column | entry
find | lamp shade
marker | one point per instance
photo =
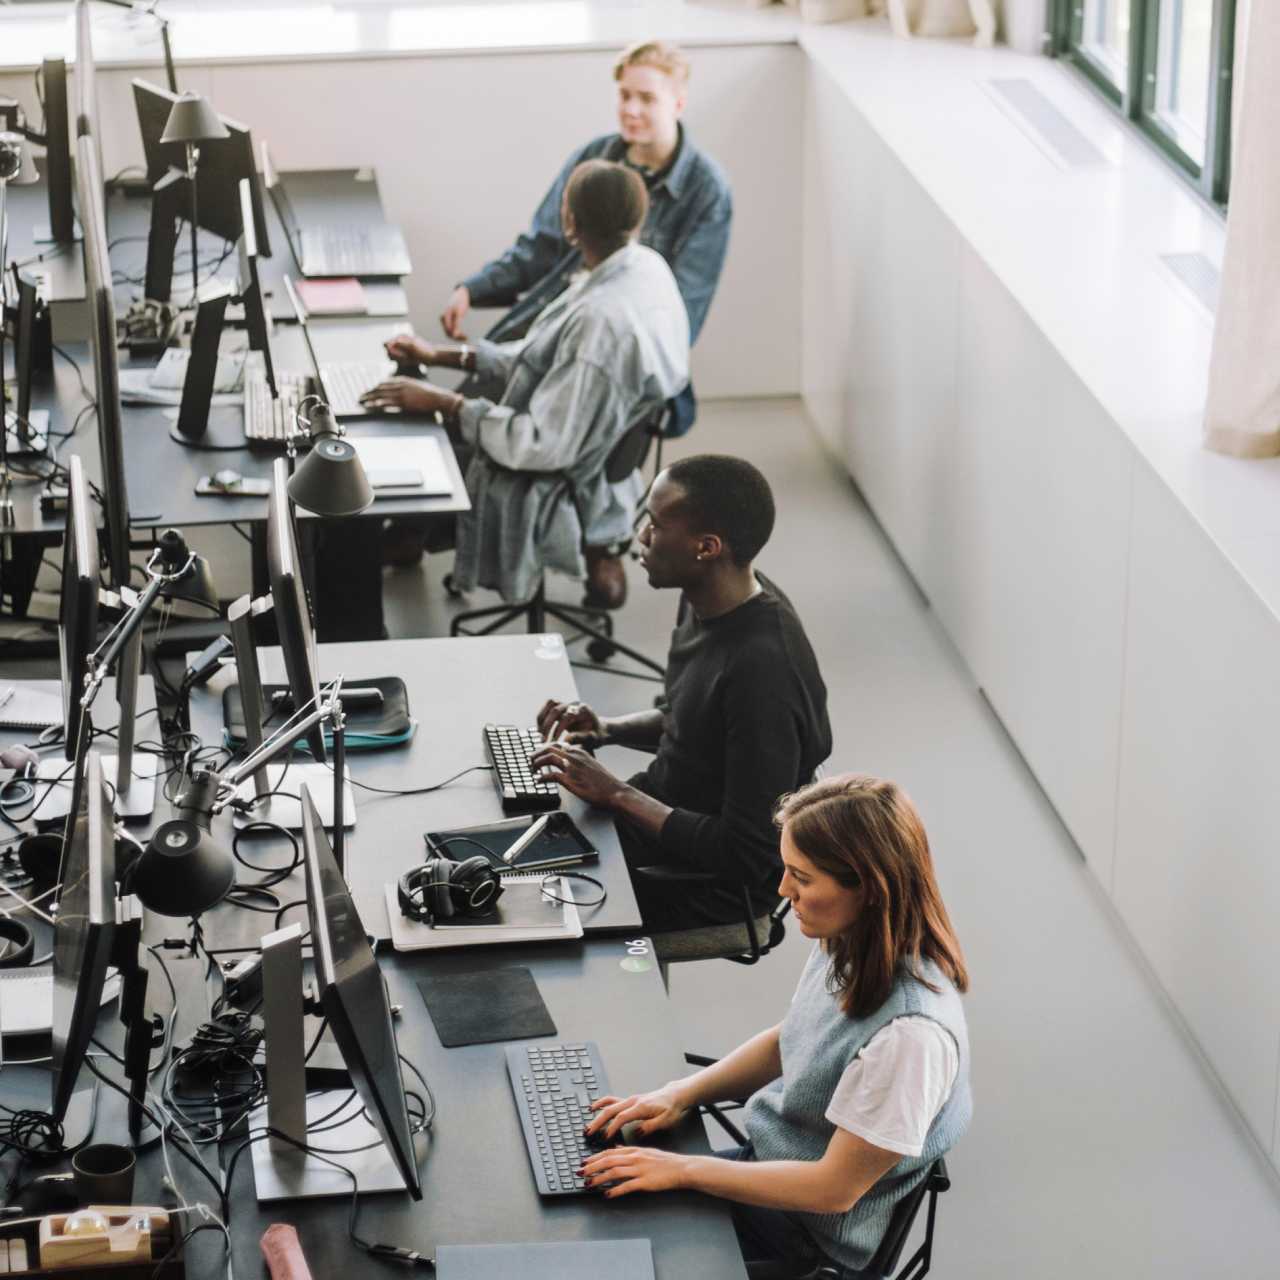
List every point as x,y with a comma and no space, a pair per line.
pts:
331,480
192,119
183,871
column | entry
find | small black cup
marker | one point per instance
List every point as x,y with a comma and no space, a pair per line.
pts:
104,1174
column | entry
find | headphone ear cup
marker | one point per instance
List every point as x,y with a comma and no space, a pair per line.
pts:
475,886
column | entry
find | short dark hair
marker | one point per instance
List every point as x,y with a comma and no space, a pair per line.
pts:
609,204
728,497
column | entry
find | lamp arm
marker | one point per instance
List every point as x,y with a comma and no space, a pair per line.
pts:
279,742
101,661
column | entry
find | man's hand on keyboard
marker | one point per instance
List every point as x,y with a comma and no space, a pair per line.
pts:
575,769
405,348
575,722
411,396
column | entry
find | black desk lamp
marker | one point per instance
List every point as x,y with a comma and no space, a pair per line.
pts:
330,480
193,121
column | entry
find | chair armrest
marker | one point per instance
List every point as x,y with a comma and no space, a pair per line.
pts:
699,1060
939,1178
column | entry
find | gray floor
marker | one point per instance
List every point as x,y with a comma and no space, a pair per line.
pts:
1100,1145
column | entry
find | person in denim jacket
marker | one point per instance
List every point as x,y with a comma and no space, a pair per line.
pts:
690,211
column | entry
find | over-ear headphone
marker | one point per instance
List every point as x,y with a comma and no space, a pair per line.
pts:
441,889
20,942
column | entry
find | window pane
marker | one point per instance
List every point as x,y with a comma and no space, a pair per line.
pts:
1182,72
1104,36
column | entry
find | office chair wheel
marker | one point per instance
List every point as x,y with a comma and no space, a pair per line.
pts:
452,589
600,650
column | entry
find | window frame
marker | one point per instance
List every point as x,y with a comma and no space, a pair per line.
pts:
1136,97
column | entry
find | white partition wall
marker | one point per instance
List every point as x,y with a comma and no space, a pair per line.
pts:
1197,873
1059,540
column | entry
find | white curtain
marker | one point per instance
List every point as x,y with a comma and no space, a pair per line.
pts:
1242,415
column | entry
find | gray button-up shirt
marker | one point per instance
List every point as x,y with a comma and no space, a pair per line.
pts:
609,349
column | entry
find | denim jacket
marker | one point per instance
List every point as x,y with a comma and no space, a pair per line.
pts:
690,208
610,348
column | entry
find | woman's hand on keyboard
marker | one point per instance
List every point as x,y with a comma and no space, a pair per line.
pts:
649,1112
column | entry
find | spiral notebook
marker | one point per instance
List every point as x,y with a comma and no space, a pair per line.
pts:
30,704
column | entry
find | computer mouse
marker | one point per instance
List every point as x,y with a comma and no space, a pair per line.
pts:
408,369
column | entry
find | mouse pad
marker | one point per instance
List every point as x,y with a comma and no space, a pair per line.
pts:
484,1007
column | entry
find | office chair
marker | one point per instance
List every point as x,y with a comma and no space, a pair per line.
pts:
744,941
596,625
884,1262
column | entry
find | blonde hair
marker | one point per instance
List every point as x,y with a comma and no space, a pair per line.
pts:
667,58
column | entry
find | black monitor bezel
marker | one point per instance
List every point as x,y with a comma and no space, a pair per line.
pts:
83,933
24,346
257,319
354,997
78,607
292,607
57,143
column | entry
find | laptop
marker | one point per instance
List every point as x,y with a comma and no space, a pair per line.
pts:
343,382
336,250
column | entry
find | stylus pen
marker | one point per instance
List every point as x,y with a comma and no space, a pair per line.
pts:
535,830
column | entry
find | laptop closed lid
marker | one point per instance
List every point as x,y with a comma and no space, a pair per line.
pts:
570,1260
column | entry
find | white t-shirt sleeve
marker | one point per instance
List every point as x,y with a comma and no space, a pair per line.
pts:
892,1091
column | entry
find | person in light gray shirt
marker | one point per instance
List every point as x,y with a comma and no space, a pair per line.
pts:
610,348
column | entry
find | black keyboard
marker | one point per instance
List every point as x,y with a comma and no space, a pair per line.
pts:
554,1086
509,749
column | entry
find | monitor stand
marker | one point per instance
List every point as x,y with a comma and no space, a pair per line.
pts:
137,800
280,1170
286,808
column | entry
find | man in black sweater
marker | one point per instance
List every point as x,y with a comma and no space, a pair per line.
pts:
744,719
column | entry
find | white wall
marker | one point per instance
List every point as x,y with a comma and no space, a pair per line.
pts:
1130,662
466,146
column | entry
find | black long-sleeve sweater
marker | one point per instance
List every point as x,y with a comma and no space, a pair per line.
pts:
745,721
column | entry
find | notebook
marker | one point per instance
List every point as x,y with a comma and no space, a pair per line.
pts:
525,915
30,704
562,1260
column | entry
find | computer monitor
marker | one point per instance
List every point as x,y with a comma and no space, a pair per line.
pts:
354,997
102,337
57,143
257,317
83,936
78,615
289,597
86,84
222,165
24,348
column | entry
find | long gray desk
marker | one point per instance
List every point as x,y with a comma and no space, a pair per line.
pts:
455,687
476,1182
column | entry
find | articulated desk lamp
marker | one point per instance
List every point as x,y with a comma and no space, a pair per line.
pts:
191,122
330,480
174,573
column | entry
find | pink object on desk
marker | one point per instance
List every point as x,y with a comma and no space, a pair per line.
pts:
283,1251
337,297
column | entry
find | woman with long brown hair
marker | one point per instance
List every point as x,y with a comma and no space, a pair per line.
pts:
865,1082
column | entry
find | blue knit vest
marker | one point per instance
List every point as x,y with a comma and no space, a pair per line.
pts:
786,1120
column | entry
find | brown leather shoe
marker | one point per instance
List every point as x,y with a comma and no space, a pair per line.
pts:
606,580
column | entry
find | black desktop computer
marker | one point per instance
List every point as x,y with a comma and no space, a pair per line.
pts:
57,142
377,1144
222,165
95,929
